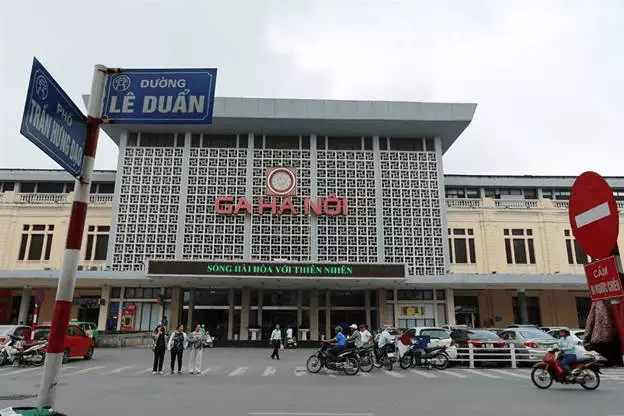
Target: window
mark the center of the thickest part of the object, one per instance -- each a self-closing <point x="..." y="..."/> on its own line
<point x="50" y="188"/>
<point x="410" y="145"/>
<point x="519" y="246"/>
<point x="102" y="188"/>
<point x="97" y="242"/>
<point x="7" y="186"/>
<point x="460" y="193"/>
<point x="281" y="142"/>
<point x="157" y="140"/>
<point x="412" y="294"/>
<point x="36" y="242"/>
<point x="462" y="245"/>
<point x="344" y="143"/>
<point x="574" y="250"/>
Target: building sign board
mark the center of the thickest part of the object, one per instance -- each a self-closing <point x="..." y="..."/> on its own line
<point x="331" y="206"/>
<point x="53" y="122"/>
<point x="160" y="96"/>
<point x="269" y="269"/>
<point x="603" y="279"/>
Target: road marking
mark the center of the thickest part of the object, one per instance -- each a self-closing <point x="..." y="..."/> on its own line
<point x="479" y="373"/>
<point x="364" y="374"/>
<point x="25" y="370"/>
<point x="238" y="371"/>
<point x="422" y="373"/>
<point x="329" y="373"/>
<point x="147" y="370"/>
<point x="269" y="371"/>
<point x="454" y="374"/>
<point x="308" y="414"/>
<point x="208" y="370"/>
<point x="86" y="370"/>
<point x="301" y="371"/>
<point x="592" y="215"/>
<point x="509" y="373"/>
<point x="393" y="374"/>
<point x="117" y="370"/>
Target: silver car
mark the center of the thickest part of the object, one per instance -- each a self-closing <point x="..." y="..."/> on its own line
<point x="530" y="343"/>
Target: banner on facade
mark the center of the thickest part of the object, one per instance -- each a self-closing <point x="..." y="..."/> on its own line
<point x="251" y="269"/>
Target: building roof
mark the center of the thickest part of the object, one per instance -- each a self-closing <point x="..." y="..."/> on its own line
<point x="325" y="117"/>
<point x="521" y="181"/>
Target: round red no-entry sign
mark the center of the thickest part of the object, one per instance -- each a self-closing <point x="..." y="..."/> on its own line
<point x="594" y="215"/>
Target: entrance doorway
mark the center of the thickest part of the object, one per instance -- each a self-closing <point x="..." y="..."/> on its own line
<point x="88" y="309"/>
<point x="344" y="318"/>
<point x="284" y="318"/>
<point x="215" y="321"/>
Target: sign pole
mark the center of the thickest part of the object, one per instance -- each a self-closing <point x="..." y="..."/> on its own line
<point x="67" y="278"/>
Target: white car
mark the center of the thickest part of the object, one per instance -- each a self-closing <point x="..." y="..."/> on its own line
<point x="578" y="335"/>
<point x="439" y="336"/>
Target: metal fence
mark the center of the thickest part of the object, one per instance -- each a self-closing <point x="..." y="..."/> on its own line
<point x="503" y="355"/>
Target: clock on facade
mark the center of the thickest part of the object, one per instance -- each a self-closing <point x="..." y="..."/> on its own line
<point x="281" y="182"/>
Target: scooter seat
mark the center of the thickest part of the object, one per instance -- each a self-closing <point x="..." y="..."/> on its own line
<point x="585" y="359"/>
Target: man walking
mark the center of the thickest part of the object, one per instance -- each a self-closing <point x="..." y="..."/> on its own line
<point x="276" y="341"/>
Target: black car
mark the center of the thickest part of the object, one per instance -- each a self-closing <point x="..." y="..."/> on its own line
<point x="488" y="348"/>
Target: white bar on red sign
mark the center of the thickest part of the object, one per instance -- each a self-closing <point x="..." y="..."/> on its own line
<point x="592" y="215"/>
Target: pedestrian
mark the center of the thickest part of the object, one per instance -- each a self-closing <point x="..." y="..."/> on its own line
<point x="196" y="345"/>
<point x="164" y="322"/>
<point x="276" y="341"/>
<point x="177" y="344"/>
<point x="159" y="347"/>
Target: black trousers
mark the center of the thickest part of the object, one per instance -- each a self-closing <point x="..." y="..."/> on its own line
<point x="176" y="354"/>
<point x="276" y="347"/>
<point x="159" y="358"/>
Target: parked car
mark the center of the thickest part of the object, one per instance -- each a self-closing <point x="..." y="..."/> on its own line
<point x="439" y="336"/>
<point x="522" y="326"/>
<point x="497" y="331"/>
<point x="15" y="330"/>
<point x="578" y="335"/>
<point x="487" y="346"/>
<point x="77" y="342"/>
<point x="534" y="340"/>
<point x="89" y="328"/>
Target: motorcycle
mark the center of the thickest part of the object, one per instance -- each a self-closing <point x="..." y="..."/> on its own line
<point x="346" y="360"/>
<point x="23" y="354"/>
<point x="366" y="358"/>
<point x="433" y="357"/>
<point x="8" y="351"/>
<point x="290" y="342"/>
<point x="584" y="372"/>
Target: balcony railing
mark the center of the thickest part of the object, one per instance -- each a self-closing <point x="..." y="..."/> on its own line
<point x="515" y="203"/>
<point x="464" y="203"/>
<point x="468" y="203"/>
<point x="50" y="199"/>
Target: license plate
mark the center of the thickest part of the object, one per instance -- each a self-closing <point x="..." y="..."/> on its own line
<point x="490" y="345"/>
<point x="391" y="355"/>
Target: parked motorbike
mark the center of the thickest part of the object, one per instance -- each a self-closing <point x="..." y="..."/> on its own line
<point x="8" y="351"/>
<point x="584" y="372"/>
<point x="434" y="357"/>
<point x="290" y="342"/>
<point x="366" y="358"/>
<point x="347" y="361"/>
<point x="23" y="354"/>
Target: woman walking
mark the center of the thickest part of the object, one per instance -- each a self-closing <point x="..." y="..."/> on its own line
<point x="159" y="347"/>
<point x="196" y="344"/>
<point x="177" y="344"/>
<point x="276" y="341"/>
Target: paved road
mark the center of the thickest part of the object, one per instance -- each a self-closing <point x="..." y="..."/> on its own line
<point x="247" y="382"/>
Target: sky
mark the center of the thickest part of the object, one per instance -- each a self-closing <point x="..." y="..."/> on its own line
<point x="546" y="75"/>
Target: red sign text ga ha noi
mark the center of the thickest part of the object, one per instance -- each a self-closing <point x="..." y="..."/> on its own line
<point x="332" y="206"/>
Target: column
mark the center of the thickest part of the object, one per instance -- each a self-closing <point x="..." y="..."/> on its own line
<point x="523" y="307"/>
<point x="443" y="208"/>
<point x="314" y="315"/>
<point x="230" y="334"/>
<point x="249" y="195"/>
<point x="121" y="303"/>
<point x="450" y="306"/>
<point x="313" y="194"/>
<point x="299" y="311"/>
<point x="259" y="323"/>
<point x="367" y="295"/>
<point x="244" y="315"/>
<point x="123" y="140"/>
<point x="191" y="306"/>
<point x="104" y="305"/>
<point x="22" y="317"/>
<point x="179" y="251"/>
<point x="329" y="331"/>
<point x="378" y="201"/>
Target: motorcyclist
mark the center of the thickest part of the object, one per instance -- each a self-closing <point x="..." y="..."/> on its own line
<point x="355" y="338"/>
<point x="365" y="336"/>
<point x="339" y="342"/>
<point x="567" y="346"/>
<point x="385" y="341"/>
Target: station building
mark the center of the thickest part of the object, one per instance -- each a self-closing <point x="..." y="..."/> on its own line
<point x="306" y="213"/>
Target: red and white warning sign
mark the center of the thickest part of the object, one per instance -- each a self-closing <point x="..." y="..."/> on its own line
<point x="603" y="279"/>
<point x="594" y="215"/>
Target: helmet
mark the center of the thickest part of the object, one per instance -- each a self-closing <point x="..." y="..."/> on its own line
<point x="338" y="329"/>
<point x="565" y="331"/>
<point x="353" y="327"/>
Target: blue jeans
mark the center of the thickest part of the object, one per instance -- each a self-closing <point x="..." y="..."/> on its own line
<point x="567" y="361"/>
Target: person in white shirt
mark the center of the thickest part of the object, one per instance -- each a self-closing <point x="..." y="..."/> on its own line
<point x="366" y="337"/>
<point x="276" y="341"/>
<point x="385" y="339"/>
<point x="289" y="332"/>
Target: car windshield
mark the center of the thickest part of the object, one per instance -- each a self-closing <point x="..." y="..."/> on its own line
<point x="536" y="335"/>
<point x="483" y="335"/>
<point x="435" y="333"/>
<point x="580" y="334"/>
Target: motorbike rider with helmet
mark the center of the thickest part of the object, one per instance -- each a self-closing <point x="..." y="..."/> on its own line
<point x="567" y="346"/>
<point x="339" y="342"/>
<point x="355" y="338"/>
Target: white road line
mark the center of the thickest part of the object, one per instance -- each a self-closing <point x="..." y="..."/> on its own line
<point x="423" y="373"/>
<point x="25" y="370"/>
<point x="301" y="371"/>
<point x="307" y="414"/>
<point x="454" y="374"/>
<point x="238" y="371"/>
<point x="480" y="373"/>
<point x="591" y="215"/>
<point x="117" y="370"/>
<point x="147" y="370"/>
<point x="86" y="370"/>
<point x="364" y="374"/>
<point x="394" y="374"/>
<point x="509" y="373"/>
<point x="269" y="371"/>
<point x="209" y="370"/>
<point x="329" y="373"/>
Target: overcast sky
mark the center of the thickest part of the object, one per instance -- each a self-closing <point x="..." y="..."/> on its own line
<point x="547" y="75"/>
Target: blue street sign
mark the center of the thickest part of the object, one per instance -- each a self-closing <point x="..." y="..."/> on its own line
<point x="53" y="122"/>
<point x="160" y="96"/>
